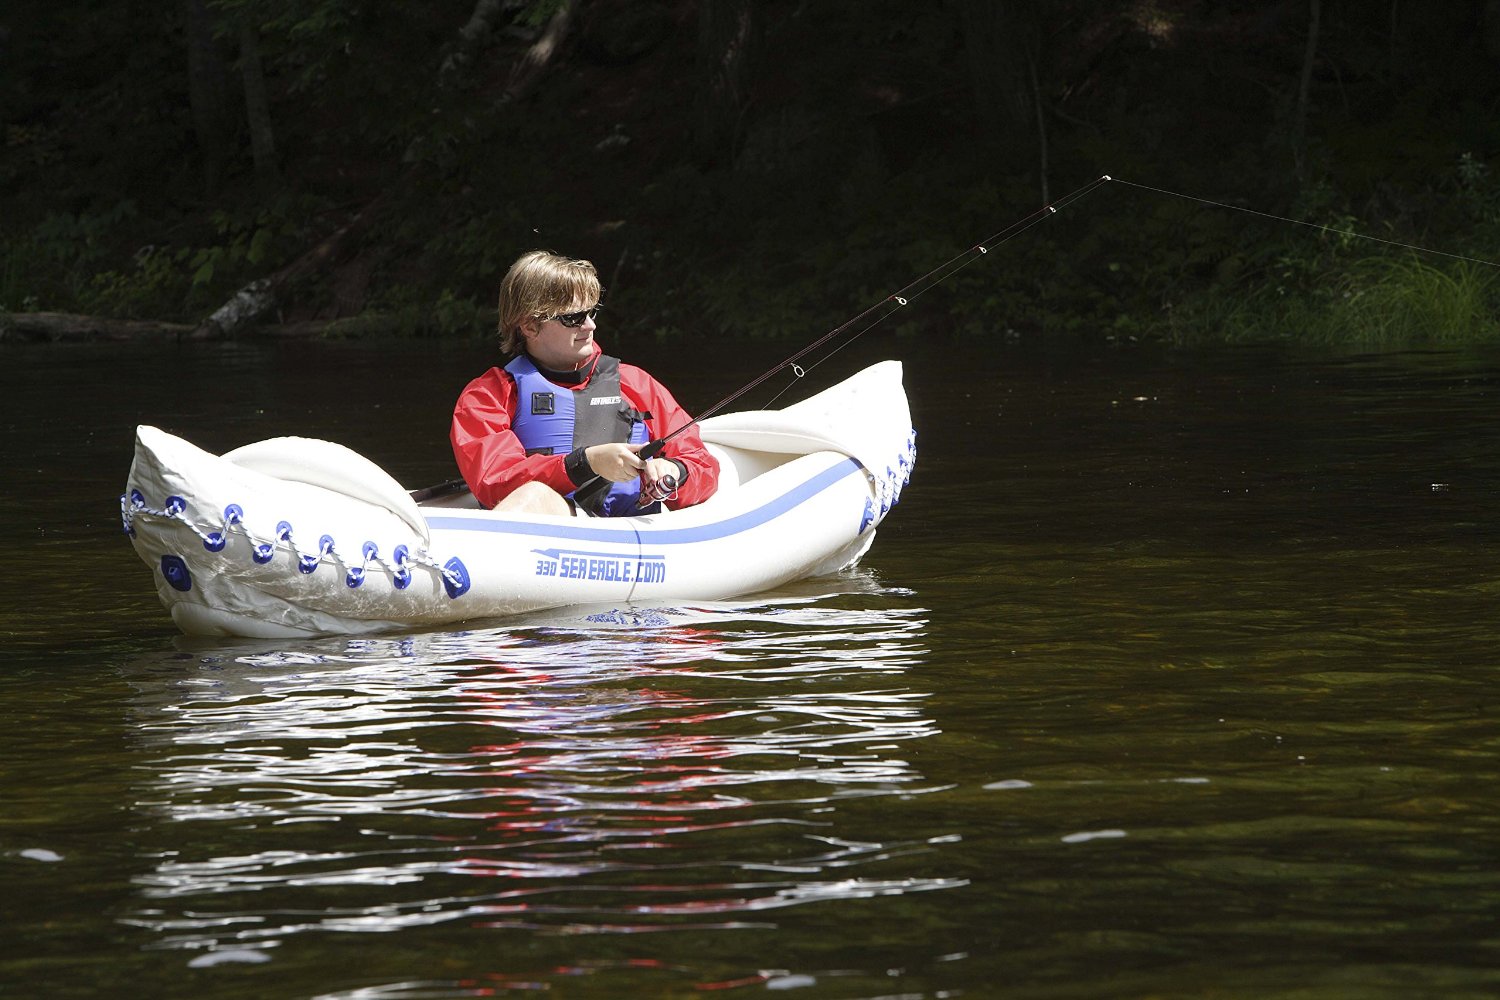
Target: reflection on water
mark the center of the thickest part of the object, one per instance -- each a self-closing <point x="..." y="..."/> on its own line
<point x="625" y="771"/>
<point x="1194" y="701"/>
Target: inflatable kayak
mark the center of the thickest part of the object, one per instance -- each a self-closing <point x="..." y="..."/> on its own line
<point x="297" y="536"/>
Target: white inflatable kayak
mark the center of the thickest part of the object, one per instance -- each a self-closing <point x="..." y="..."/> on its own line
<point x="296" y="536"/>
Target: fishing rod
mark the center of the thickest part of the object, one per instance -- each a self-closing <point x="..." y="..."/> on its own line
<point x="589" y="493"/>
<point x="901" y="297"/>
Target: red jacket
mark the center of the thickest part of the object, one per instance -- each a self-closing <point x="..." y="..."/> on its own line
<point x="493" y="462"/>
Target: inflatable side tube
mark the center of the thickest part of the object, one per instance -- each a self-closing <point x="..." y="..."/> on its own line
<point x="333" y="467"/>
<point x="863" y="417"/>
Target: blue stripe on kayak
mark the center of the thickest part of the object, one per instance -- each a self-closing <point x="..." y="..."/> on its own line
<point x="662" y="536"/>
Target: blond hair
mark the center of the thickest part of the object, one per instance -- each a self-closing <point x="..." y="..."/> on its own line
<point x="541" y="284"/>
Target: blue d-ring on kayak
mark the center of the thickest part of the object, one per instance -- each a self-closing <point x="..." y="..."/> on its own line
<point x="402" y="576"/>
<point x="176" y="573"/>
<point x="455" y="578"/>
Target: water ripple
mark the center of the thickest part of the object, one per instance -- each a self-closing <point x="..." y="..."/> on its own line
<point x="618" y="772"/>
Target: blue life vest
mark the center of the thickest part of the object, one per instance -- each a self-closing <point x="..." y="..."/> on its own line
<point x="552" y="419"/>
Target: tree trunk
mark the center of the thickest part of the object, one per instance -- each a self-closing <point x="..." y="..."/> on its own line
<point x="1001" y="42"/>
<point x="1041" y="131"/>
<point x="471" y="37"/>
<point x="1304" y="88"/>
<point x="530" y="66"/>
<point x="248" y="306"/>
<point x="725" y="43"/>
<point x="1489" y="27"/>
<point x="257" y="107"/>
<point x="55" y="326"/>
<point x="208" y="93"/>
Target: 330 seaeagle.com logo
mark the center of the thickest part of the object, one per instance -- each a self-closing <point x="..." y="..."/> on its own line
<point x="572" y="564"/>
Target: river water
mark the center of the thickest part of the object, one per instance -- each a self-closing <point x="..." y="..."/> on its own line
<point x="1169" y="677"/>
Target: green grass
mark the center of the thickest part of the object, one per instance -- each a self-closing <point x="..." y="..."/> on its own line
<point x="1369" y="302"/>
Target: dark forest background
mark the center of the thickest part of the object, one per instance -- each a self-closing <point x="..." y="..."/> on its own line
<point x="759" y="168"/>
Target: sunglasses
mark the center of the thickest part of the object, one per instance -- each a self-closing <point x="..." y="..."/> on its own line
<point x="574" y="320"/>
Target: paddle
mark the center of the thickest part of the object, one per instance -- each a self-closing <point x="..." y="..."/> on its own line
<point x="451" y="488"/>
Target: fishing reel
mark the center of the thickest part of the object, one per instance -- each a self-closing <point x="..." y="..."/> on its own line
<point x="664" y="488"/>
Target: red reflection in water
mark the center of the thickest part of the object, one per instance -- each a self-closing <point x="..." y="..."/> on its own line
<point x="588" y="738"/>
<point x="733" y="984"/>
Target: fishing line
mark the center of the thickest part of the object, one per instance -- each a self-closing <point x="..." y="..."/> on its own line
<point x="589" y="493"/>
<point x="908" y="293"/>
<point x="1302" y="222"/>
<point x="904" y="296"/>
<point x="944" y="271"/>
<point x="901" y="297"/>
<point x="928" y="281"/>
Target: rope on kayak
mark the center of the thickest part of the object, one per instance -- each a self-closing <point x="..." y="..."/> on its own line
<point x="453" y="573"/>
<point x="888" y="487"/>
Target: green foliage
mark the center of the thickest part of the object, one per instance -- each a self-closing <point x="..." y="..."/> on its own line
<point x="17" y="288"/>
<point x="1479" y="195"/>
<point x="52" y="266"/>
<point x="1372" y="302"/>
<point x="249" y="242"/>
<point x="307" y="37"/>
<point x="851" y="175"/>
<point x="468" y="252"/>
<point x="535" y="13"/>
<point x="1412" y="299"/>
<point x="408" y="311"/>
<point x="144" y="291"/>
<point x="1349" y="283"/>
<point x="81" y="262"/>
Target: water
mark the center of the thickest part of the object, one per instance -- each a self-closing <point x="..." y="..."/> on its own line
<point x="1168" y="677"/>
